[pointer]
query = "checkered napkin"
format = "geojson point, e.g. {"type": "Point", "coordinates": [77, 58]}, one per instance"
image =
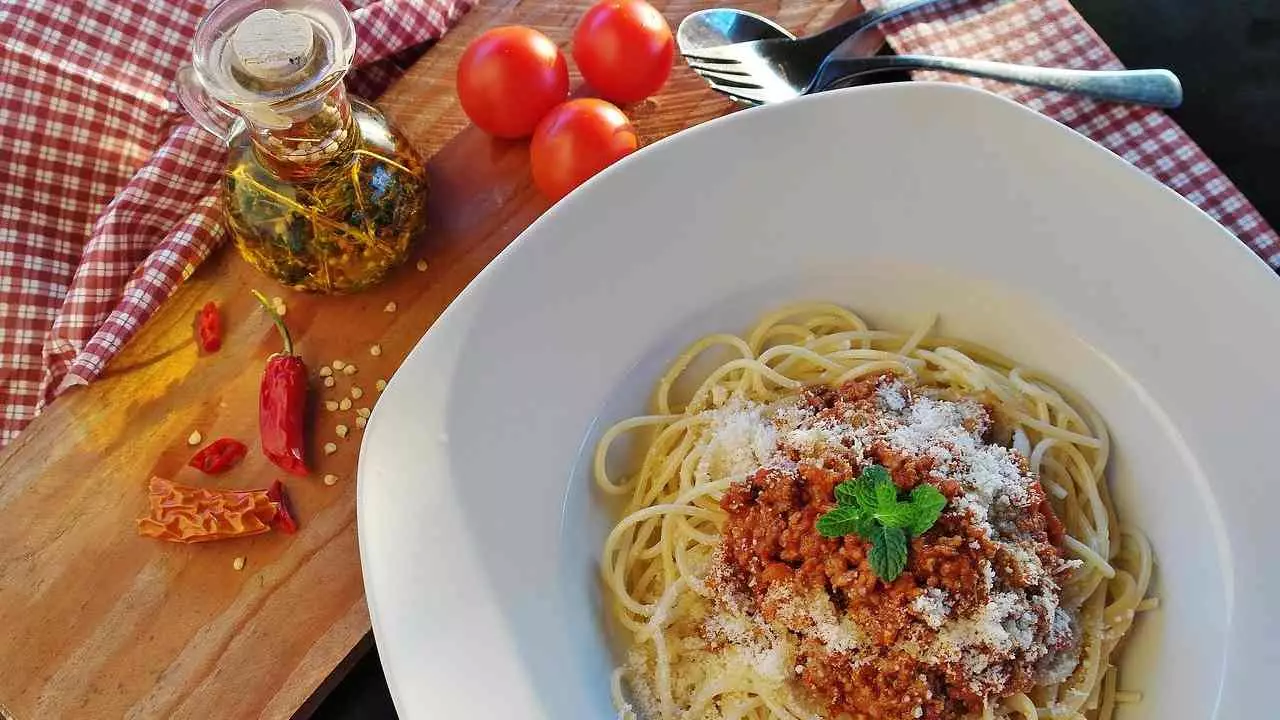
{"type": "Point", "coordinates": [106, 186]}
{"type": "Point", "coordinates": [107, 202]}
{"type": "Point", "coordinates": [1052, 33]}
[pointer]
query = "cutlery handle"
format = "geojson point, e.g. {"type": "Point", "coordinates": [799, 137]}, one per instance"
{"type": "Point", "coordinates": [1159, 88]}
{"type": "Point", "coordinates": [824, 42]}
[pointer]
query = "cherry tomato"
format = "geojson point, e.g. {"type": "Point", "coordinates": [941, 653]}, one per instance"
{"type": "Point", "coordinates": [509, 78]}
{"type": "Point", "coordinates": [577, 140]}
{"type": "Point", "coordinates": [624, 49]}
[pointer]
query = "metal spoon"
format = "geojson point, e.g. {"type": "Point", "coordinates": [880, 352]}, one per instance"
{"type": "Point", "coordinates": [724, 26]}
{"type": "Point", "coordinates": [719, 27]}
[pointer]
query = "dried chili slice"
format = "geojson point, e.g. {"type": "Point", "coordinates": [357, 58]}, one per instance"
{"type": "Point", "coordinates": [284, 520]}
{"type": "Point", "coordinates": [209, 328]}
{"type": "Point", "coordinates": [185, 514]}
{"type": "Point", "coordinates": [219, 456]}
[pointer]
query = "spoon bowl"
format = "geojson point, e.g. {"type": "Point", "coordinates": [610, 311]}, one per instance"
{"type": "Point", "coordinates": [726, 26]}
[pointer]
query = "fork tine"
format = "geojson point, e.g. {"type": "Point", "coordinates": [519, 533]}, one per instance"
{"type": "Point", "coordinates": [728, 92]}
{"type": "Point", "coordinates": [754, 95]}
{"type": "Point", "coordinates": [741, 100]}
{"type": "Point", "coordinates": [737, 80]}
{"type": "Point", "coordinates": [723, 69]}
{"type": "Point", "coordinates": [718, 54]}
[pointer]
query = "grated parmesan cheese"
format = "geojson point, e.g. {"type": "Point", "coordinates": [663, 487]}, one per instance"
{"type": "Point", "coordinates": [749, 644]}
{"type": "Point", "coordinates": [742, 440]}
{"type": "Point", "coordinates": [892, 396]}
{"type": "Point", "coordinates": [933, 606]}
{"type": "Point", "coordinates": [815, 440]}
{"type": "Point", "coordinates": [816, 613]}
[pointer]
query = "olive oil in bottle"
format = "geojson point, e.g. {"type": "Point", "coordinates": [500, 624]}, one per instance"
{"type": "Point", "coordinates": [320, 191]}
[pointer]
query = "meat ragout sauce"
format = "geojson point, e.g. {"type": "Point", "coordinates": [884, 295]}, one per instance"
{"type": "Point", "coordinates": [770, 543]}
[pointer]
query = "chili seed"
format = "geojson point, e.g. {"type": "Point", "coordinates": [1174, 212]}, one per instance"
{"type": "Point", "coordinates": [194, 438]}
{"type": "Point", "coordinates": [349, 370]}
{"type": "Point", "coordinates": [391, 307]}
{"type": "Point", "coordinates": [361, 421]}
{"type": "Point", "coordinates": [380, 385]}
{"type": "Point", "coordinates": [342, 430]}
{"type": "Point", "coordinates": [277, 303]}
{"type": "Point", "coordinates": [330, 405]}
{"type": "Point", "coordinates": [329, 381]}
{"type": "Point", "coordinates": [357, 393]}
{"type": "Point", "coordinates": [422, 266]}
{"type": "Point", "coordinates": [330, 448]}
{"type": "Point", "coordinates": [345, 404]}
{"type": "Point", "coordinates": [330, 479]}
{"type": "Point", "coordinates": [338, 364]}
{"type": "Point", "coordinates": [363, 412]}
{"type": "Point", "coordinates": [375, 350]}
{"type": "Point", "coordinates": [326, 371]}
{"type": "Point", "coordinates": [238, 563]}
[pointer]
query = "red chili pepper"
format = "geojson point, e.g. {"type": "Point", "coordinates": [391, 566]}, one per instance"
{"type": "Point", "coordinates": [219, 456]}
{"type": "Point", "coordinates": [282, 402]}
{"type": "Point", "coordinates": [209, 328]}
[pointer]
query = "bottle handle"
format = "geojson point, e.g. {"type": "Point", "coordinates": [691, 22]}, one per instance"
{"type": "Point", "coordinates": [208, 112]}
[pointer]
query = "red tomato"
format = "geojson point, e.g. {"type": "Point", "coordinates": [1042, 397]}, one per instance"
{"type": "Point", "coordinates": [577, 140]}
{"type": "Point", "coordinates": [509, 78]}
{"type": "Point", "coordinates": [624, 49]}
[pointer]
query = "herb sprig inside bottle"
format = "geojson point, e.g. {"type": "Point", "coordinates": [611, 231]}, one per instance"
{"type": "Point", "coordinates": [869, 507]}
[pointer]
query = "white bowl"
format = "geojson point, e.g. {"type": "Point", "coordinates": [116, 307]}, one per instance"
{"type": "Point", "coordinates": [479, 531]}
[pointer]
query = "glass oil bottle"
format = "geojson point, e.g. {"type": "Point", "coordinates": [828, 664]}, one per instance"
{"type": "Point", "coordinates": [320, 191]}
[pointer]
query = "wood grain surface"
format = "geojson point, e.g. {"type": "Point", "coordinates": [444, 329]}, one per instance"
{"type": "Point", "coordinates": [96, 622]}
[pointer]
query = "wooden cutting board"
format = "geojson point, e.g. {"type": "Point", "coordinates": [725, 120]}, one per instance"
{"type": "Point", "coordinates": [96, 622]}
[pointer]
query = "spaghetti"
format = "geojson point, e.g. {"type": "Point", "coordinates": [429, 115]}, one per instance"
{"type": "Point", "coordinates": [707, 641]}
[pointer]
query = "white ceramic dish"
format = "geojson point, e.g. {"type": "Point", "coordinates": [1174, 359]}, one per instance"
{"type": "Point", "coordinates": [479, 531]}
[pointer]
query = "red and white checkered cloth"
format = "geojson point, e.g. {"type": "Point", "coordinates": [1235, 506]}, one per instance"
{"type": "Point", "coordinates": [1052, 33]}
{"type": "Point", "coordinates": [107, 185]}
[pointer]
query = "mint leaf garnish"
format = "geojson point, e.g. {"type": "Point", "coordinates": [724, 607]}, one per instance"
{"type": "Point", "coordinates": [865, 527]}
{"type": "Point", "coordinates": [869, 507]}
{"type": "Point", "coordinates": [847, 494]}
{"type": "Point", "coordinates": [888, 554]}
{"type": "Point", "coordinates": [928, 502]}
{"type": "Point", "coordinates": [864, 490]}
{"type": "Point", "coordinates": [886, 491]}
{"type": "Point", "coordinates": [843, 520]}
{"type": "Point", "coordinates": [896, 515]}
{"type": "Point", "coordinates": [875, 474]}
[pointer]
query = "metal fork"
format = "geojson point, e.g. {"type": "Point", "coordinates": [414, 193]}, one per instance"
{"type": "Point", "coordinates": [790, 62]}
{"type": "Point", "coordinates": [751, 82]}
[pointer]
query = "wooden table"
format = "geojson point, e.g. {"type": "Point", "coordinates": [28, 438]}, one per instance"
{"type": "Point", "coordinates": [96, 622]}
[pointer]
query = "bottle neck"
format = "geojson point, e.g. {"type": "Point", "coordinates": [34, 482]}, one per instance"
{"type": "Point", "coordinates": [322, 137]}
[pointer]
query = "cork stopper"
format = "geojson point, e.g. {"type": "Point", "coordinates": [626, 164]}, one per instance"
{"type": "Point", "coordinates": [270, 45]}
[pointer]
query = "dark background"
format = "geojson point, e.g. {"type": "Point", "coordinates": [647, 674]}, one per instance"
{"type": "Point", "coordinates": [1227, 54]}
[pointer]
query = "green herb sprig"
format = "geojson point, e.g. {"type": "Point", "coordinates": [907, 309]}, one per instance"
{"type": "Point", "coordinates": [869, 507]}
